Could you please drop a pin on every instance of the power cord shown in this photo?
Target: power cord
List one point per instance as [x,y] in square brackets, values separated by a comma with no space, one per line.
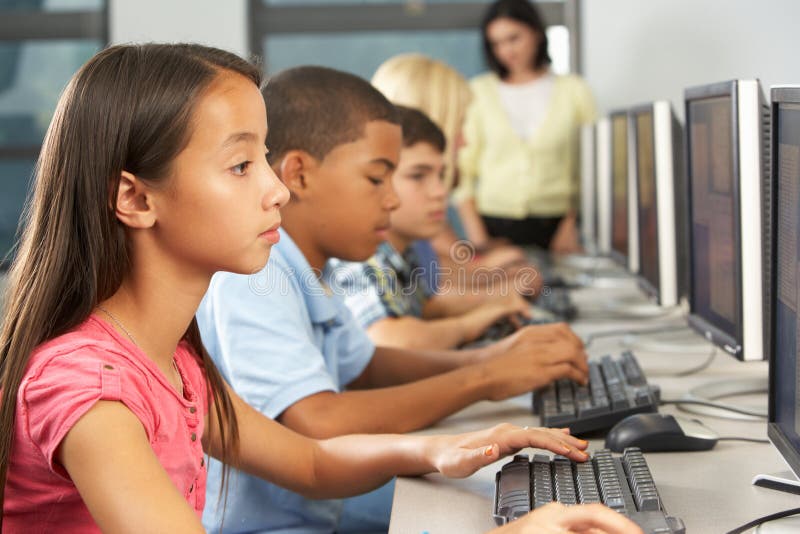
[764,519]
[717,405]
[702,367]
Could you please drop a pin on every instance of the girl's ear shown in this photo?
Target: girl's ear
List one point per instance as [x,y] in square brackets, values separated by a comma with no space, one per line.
[294,170]
[133,205]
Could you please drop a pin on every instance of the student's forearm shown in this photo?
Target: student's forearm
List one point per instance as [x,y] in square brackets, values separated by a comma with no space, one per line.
[353,464]
[392,366]
[337,467]
[413,333]
[434,334]
[397,409]
[457,301]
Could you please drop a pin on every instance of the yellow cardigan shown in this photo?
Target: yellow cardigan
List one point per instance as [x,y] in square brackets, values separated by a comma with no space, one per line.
[515,178]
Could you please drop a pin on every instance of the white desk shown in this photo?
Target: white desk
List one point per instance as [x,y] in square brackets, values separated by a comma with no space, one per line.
[710,491]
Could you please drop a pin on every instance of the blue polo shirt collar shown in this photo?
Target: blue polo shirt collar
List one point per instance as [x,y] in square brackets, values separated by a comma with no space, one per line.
[320,305]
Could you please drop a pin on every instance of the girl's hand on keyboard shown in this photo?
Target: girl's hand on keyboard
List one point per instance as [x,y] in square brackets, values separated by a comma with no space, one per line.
[555,518]
[461,455]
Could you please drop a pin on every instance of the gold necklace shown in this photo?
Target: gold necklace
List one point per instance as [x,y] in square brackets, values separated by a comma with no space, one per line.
[122,327]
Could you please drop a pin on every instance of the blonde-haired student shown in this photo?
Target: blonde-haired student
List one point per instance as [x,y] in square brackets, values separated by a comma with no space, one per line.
[443,94]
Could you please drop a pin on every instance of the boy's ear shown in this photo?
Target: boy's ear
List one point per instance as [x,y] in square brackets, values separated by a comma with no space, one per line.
[294,170]
[133,204]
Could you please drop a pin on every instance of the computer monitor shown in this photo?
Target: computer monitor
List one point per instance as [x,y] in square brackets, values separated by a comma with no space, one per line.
[724,142]
[624,218]
[661,203]
[588,188]
[604,192]
[784,404]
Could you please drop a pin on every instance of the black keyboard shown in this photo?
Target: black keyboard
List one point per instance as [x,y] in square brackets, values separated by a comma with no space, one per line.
[623,483]
[557,301]
[617,388]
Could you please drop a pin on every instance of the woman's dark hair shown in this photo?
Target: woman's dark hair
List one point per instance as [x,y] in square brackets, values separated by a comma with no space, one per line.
[128,108]
[522,11]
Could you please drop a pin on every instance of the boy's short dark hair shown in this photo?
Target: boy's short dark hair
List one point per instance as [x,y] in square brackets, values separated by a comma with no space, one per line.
[316,109]
[419,128]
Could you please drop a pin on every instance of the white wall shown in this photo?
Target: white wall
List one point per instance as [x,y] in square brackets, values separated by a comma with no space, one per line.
[636,51]
[220,23]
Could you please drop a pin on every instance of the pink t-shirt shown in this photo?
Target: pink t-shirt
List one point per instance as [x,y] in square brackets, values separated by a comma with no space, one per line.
[65,377]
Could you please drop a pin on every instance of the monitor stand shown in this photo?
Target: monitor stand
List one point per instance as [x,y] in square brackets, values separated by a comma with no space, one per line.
[786,525]
[784,481]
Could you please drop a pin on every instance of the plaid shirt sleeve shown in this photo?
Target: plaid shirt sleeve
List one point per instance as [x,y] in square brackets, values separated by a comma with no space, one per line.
[357,284]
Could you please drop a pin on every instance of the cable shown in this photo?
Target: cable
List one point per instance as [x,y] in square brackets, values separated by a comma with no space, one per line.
[737,438]
[719,406]
[618,333]
[703,366]
[760,520]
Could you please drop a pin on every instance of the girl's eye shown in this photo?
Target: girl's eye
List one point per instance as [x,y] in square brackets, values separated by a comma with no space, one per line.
[241,168]
[375,181]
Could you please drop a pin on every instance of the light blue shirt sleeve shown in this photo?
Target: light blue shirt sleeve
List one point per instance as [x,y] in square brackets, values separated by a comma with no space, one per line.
[261,338]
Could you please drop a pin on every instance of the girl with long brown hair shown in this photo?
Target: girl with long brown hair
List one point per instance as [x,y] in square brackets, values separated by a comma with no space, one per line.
[151,178]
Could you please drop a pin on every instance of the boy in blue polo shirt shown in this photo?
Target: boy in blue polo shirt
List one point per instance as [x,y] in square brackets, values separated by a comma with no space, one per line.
[389,294]
[291,348]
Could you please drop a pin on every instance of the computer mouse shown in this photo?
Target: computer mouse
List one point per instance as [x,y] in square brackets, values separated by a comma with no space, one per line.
[657,432]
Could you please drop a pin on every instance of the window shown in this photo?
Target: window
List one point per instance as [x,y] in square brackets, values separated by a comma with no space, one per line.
[358,37]
[42,43]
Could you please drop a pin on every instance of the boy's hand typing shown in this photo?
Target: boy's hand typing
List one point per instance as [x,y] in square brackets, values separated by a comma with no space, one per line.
[533,357]
[474,323]
[460,455]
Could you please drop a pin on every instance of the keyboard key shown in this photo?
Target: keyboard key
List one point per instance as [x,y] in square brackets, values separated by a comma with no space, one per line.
[586,484]
[642,483]
[610,370]
[633,372]
[618,399]
[542,480]
[564,485]
[643,397]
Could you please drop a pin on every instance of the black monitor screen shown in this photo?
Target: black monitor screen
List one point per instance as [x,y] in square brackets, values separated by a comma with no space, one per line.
[619,169]
[714,269]
[648,215]
[786,376]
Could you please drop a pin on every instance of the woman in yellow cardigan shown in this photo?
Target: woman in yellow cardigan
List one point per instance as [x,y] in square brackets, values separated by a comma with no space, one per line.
[518,170]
